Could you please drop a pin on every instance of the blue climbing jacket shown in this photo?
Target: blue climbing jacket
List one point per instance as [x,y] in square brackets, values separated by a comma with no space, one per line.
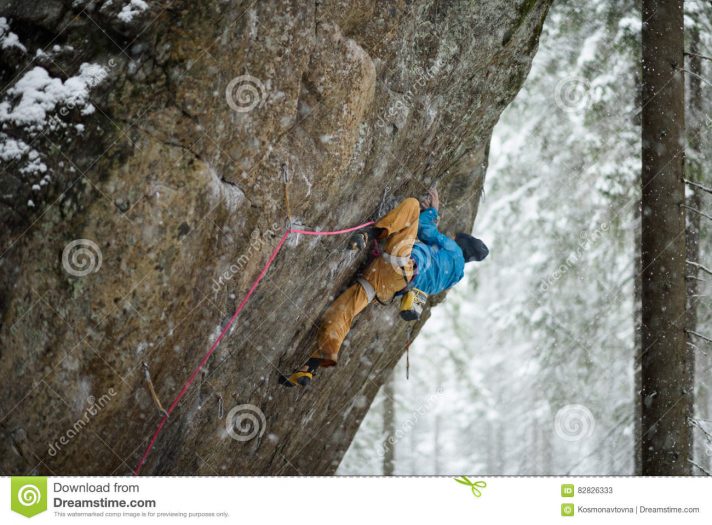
[439,260]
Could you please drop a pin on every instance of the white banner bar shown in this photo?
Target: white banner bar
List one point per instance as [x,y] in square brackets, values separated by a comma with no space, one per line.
[339,500]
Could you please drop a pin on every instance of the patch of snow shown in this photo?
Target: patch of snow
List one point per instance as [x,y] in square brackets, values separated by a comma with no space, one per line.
[30,103]
[12,149]
[631,23]
[130,10]
[8,39]
[215,334]
[35,165]
[39,94]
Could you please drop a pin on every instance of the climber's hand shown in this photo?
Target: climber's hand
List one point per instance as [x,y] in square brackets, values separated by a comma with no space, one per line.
[434,198]
[425,202]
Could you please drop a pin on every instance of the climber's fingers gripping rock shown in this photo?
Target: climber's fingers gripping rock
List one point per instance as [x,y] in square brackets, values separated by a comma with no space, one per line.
[434,198]
[430,200]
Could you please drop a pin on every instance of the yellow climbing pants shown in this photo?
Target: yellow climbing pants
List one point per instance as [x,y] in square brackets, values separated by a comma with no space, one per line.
[386,276]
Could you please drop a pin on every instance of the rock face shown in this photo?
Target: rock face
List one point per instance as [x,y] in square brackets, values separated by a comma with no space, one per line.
[174,140]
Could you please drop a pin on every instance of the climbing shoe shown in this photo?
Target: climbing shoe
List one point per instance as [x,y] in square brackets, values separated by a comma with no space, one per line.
[297,378]
[301,377]
[360,239]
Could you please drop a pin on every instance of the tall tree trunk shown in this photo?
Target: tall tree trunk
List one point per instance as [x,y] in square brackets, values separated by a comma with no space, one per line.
[637,314]
[693,170]
[638,349]
[666,372]
[389,426]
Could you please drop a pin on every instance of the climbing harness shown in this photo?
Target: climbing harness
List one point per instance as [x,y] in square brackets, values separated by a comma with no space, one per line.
[227,327]
[401,262]
[370,290]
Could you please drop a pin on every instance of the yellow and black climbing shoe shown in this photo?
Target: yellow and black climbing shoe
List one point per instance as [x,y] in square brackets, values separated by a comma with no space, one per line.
[297,378]
[301,377]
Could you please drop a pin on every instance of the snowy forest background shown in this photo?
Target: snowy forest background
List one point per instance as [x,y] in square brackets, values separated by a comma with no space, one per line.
[529,367]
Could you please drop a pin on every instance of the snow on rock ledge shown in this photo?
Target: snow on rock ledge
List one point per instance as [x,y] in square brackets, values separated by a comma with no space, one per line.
[40,94]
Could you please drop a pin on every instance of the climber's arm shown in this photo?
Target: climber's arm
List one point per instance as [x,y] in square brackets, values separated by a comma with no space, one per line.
[428,221]
[428,231]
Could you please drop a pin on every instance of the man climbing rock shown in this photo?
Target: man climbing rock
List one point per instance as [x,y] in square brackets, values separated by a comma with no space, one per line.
[416,261]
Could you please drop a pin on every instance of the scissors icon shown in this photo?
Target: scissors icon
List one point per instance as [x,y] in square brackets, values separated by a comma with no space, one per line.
[473,485]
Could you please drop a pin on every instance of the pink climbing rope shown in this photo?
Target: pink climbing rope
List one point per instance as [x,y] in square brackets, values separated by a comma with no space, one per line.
[227,327]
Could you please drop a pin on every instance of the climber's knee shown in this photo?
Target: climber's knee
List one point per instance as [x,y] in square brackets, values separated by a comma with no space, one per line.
[412,205]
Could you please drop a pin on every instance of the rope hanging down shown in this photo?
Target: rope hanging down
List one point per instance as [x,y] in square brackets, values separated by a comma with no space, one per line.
[227,327]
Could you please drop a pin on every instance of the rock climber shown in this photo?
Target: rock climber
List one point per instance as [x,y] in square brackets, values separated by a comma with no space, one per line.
[416,260]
